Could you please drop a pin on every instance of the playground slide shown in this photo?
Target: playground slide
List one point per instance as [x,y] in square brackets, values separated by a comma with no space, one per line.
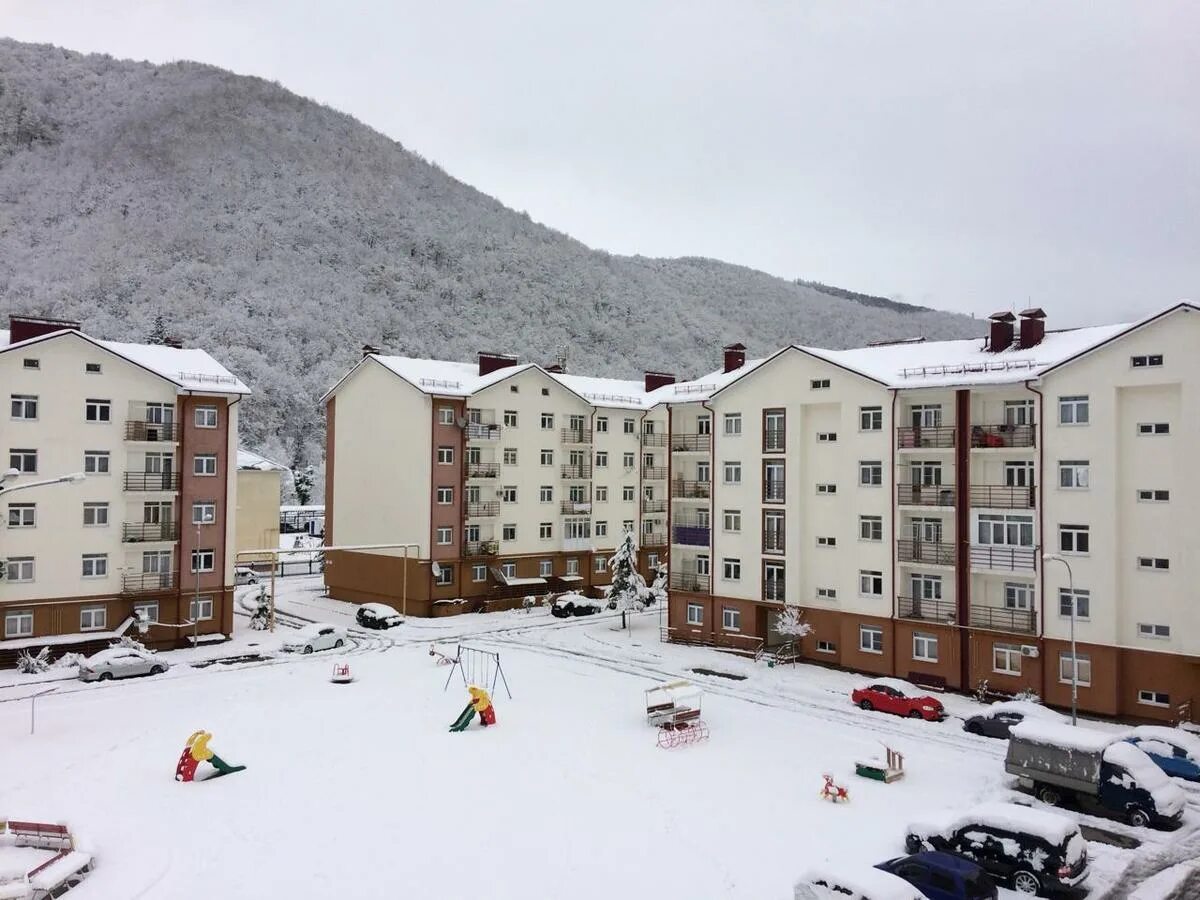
[464,719]
[222,767]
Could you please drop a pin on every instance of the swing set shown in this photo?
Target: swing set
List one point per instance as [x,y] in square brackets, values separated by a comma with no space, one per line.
[477,667]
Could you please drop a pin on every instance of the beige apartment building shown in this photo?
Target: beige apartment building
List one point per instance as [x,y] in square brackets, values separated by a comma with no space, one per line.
[150,527]
[259,485]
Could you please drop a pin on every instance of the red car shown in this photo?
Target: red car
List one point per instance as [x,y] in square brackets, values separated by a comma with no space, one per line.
[891,695]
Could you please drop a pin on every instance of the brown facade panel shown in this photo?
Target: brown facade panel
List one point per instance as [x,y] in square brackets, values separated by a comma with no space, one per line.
[1100,695]
[195,442]
[447,515]
[983,652]
[948,667]
[853,656]
[1167,673]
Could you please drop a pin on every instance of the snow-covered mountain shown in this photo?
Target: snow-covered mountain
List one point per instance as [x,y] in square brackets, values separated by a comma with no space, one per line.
[282,235]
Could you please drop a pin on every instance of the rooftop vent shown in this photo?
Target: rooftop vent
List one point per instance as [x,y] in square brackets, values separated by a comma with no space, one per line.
[1000,336]
[1033,328]
[22,328]
[735,356]
[174,342]
[368,350]
[655,380]
[490,362]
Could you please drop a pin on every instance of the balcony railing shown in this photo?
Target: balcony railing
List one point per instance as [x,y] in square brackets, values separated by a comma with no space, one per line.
[578,544]
[691,489]
[773,591]
[1021,621]
[480,431]
[691,535]
[924,495]
[137,532]
[1003,496]
[654,473]
[654,539]
[151,481]
[1004,558]
[926,610]
[690,442]
[1000,436]
[577,470]
[773,543]
[925,437]
[146,582]
[654,506]
[689,581]
[575,507]
[481,548]
[481,510]
[151,431]
[931,553]
[654,440]
[576,436]
[773,491]
[483,470]
[773,440]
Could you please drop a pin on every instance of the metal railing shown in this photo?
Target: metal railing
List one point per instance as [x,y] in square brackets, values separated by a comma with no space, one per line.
[483,470]
[926,610]
[773,490]
[773,440]
[909,437]
[689,442]
[654,539]
[151,481]
[481,548]
[576,436]
[137,532]
[998,436]
[691,489]
[924,495]
[930,552]
[145,582]
[653,439]
[689,581]
[773,591]
[1022,621]
[1003,496]
[654,473]
[691,535]
[575,507]
[486,508]
[773,542]
[577,470]
[1005,558]
[479,431]
[136,430]
[654,506]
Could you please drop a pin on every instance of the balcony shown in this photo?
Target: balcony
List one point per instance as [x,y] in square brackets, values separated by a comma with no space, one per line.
[151,432]
[654,539]
[1021,621]
[149,582]
[1004,558]
[924,495]
[925,437]
[577,471]
[151,481]
[773,591]
[999,437]
[773,542]
[691,535]
[578,545]
[138,532]
[773,491]
[480,548]
[690,443]
[1003,496]
[654,473]
[931,553]
[576,436]
[480,431]
[689,581]
[653,440]
[926,610]
[575,507]
[482,510]
[654,506]
[773,440]
[691,489]
[483,470]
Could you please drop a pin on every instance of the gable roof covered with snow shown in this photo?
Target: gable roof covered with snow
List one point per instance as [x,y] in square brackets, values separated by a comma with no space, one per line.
[247,459]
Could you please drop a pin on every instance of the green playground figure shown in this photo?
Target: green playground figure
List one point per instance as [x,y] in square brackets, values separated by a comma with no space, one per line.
[481,703]
[196,751]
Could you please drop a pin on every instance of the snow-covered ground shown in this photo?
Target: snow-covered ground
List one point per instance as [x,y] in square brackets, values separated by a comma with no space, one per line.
[360,791]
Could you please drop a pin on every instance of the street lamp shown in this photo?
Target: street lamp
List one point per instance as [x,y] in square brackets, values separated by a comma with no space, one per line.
[1054,557]
[73,478]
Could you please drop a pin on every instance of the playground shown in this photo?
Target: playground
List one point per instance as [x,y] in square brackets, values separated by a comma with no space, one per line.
[361,787]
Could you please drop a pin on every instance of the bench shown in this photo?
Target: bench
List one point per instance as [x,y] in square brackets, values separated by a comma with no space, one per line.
[40,834]
[923,679]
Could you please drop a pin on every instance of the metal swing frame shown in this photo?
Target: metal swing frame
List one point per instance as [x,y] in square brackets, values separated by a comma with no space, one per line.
[460,664]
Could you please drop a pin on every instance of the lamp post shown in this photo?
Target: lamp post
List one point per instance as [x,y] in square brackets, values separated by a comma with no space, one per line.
[1054,557]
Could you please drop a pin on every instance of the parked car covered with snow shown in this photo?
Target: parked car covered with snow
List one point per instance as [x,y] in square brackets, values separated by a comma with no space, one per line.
[121,662]
[575,604]
[1032,851]
[245,575]
[999,718]
[378,616]
[1173,750]
[943,876]
[310,638]
[854,884]
[892,695]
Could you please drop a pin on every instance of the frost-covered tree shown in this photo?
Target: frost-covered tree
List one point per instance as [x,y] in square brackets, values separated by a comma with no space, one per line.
[790,621]
[627,590]
[33,663]
[158,334]
[302,482]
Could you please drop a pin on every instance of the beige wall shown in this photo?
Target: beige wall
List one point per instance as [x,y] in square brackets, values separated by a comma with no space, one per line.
[258,509]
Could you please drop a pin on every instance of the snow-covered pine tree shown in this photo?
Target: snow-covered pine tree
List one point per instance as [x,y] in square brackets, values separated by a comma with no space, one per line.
[628,586]
[158,334]
[302,481]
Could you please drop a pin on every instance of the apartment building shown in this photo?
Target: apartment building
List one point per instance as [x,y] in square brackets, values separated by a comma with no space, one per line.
[904,496]
[504,479]
[259,485]
[150,528]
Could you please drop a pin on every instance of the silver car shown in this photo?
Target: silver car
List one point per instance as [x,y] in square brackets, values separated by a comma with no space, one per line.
[121,662]
[319,636]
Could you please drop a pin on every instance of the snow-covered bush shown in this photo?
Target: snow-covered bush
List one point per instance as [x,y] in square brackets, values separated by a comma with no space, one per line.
[260,609]
[33,664]
[791,622]
[129,643]
[69,661]
[1029,695]
[982,690]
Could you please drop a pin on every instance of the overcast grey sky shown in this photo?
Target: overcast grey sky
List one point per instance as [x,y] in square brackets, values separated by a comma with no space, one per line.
[969,156]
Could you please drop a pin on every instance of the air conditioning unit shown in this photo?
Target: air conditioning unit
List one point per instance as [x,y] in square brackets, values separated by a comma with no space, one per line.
[1029,650]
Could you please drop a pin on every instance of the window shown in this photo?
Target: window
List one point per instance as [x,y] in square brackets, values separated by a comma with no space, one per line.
[702,567]
[1148,630]
[545,568]
[32,364]
[599,564]
[870,528]
[1154,698]
[819,384]
[95,565]
[510,456]
[508,493]
[628,461]
[1080,666]
[925,647]
[870,473]
[204,464]
[1153,563]
[1082,603]
[773,531]
[627,525]
[514,389]
[702,471]
[774,433]
[926,587]
[1006,659]
[1005,530]
[206,417]
[628,492]
[1073,538]
[602,424]
[704,425]
[870,418]
[545,392]
[1018,412]
[18,623]
[826,542]
[826,437]
[826,647]
[203,560]
[1142,362]
[91,368]
[200,609]
[870,583]
[732,520]
[508,532]
[22,515]
[24,461]
[651,559]
[733,473]
[146,611]
[547,457]
[444,575]
[19,568]
[508,569]
[870,639]
[928,415]
[546,494]
[445,415]
[24,406]
[93,618]
[478,574]
[601,529]
[1073,474]
[510,418]
[204,512]
[731,569]
[445,456]
[547,420]
[156,562]
[733,424]
[97,411]
[471,534]
[731,619]
[602,493]
[445,496]
[95,462]
[695,614]
[572,566]
[545,531]
[826,488]
[1153,496]
[445,535]
[1151,428]
[628,427]
[601,459]
[773,482]
[1018,595]
[1073,410]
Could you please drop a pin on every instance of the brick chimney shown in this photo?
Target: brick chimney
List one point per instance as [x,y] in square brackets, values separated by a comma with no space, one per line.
[1000,336]
[22,328]
[490,362]
[174,342]
[735,356]
[1033,327]
[655,380]
[368,350]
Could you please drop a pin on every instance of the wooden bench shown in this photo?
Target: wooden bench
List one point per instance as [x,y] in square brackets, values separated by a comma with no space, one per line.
[40,834]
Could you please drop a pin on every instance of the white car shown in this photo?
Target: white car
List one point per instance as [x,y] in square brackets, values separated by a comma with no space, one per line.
[318,636]
[858,884]
[121,662]
[245,575]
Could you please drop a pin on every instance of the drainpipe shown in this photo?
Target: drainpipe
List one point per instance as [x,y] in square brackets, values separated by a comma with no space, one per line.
[670,507]
[712,507]
[1041,511]
[895,514]
[638,525]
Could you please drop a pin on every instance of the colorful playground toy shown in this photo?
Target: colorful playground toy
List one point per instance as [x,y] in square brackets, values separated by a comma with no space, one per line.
[481,702]
[195,752]
[834,793]
[674,708]
[341,673]
[878,770]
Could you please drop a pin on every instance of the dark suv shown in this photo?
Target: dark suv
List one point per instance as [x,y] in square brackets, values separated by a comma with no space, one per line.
[943,876]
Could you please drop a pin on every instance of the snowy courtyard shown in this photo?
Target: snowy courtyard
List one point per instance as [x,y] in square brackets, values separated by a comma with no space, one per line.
[360,790]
